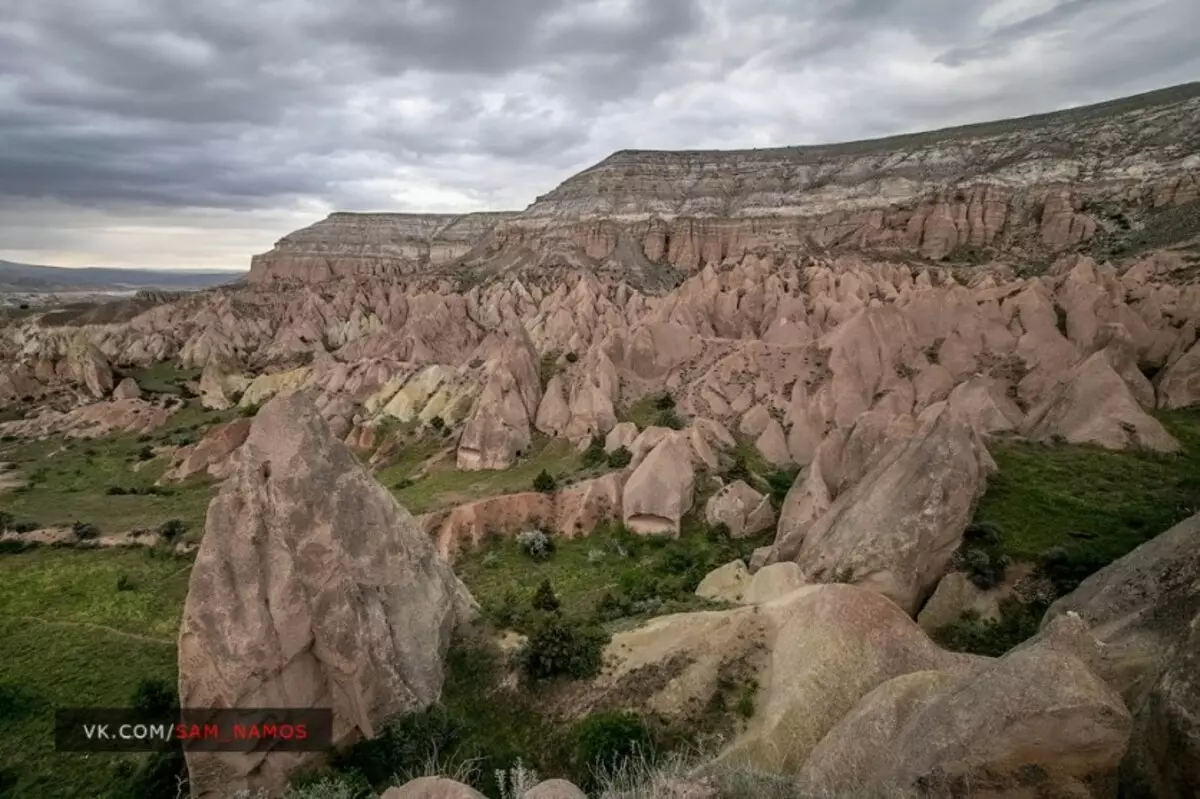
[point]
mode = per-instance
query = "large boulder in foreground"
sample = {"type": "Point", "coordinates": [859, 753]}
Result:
{"type": "Point", "coordinates": [897, 528]}
{"type": "Point", "coordinates": [312, 588]}
{"type": "Point", "coordinates": [1036, 722]}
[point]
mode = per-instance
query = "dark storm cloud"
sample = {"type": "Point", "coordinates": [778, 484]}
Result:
{"type": "Point", "coordinates": [124, 122]}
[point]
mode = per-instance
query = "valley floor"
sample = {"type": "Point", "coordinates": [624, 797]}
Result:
{"type": "Point", "coordinates": [91, 627]}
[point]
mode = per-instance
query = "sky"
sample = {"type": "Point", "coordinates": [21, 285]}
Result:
{"type": "Point", "coordinates": [183, 134]}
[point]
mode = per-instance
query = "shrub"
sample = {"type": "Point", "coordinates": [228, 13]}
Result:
{"type": "Point", "coordinates": [619, 458]}
{"type": "Point", "coordinates": [669, 418]}
{"type": "Point", "coordinates": [572, 357]}
{"type": "Point", "coordinates": [780, 483]}
{"type": "Point", "coordinates": [116, 491]}
{"type": "Point", "coordinates": [10, 547]}
{"type": "Point", "coordinates": [437, 423]}
{"type": "Point", "coordinates": [25, 527]}
{"type": "Point", "coordinates": [404, 745]}
{"type": "Point", "coordinates": [248, 411]}
{"type": "Point", "coordinates": [84, 530]}
{"type": "Point", "coordinates": [545, 598]}
{"type": "Point", "coordinates": [611, 607]}
{"type": "Point", "coordinates": [172, 529]}
{"type": "Point", "coordinates": [594, 455]}
{"type": "Point", "coordinates": [508, 613]}
{"type": "Point", "coordinates": [1067, 569]}
{"type": "Point", "coordinates": [402, 483]}
{"type": "Point", "coordinates": [146, 453]}
{"type": "Point", "coordinates": [545, 482]}
{"type": "Point", "coordinates": [6, 521]}
{"type": "Point", "coordinates": [738, 470]}
{"type": "Point", "coordinates": [602, 743]}
{"type": "Point", "coordinates": [536, 544]}
{"type": "Point", "coordinates": [124, 583]}
{"type": "Point", "coordinates": [983, 570]}
{"type": "Point", "coordinates": [992, 637]}
{"type": "Point", "coordinates": [982, 533]}
{"type": "Point", "coordinates": [156, 697]}
{"type": "Point", "coordinates": [561, 647]}
{"type": "Point", "coordinates": [664, 402]}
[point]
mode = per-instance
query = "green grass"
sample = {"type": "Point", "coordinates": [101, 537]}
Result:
{"type": "Point", "coordinates": [1096, 504]}
{"type": "Point", "coordinates": [659, 573]}
{"type": "Point", "coordinates": [445, 486]}
{"type": "Point", "coordinates": [69, 638]}
{"type": "Point", "coordinates": [68, 481]}
{"type": "Point", "coordinates": [163, 377]}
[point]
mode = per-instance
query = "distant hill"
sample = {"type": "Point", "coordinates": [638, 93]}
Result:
{"type": "Point", "coordinates": [31, 278]}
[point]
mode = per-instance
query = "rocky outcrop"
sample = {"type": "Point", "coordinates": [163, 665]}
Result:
{"type": "Point", "coordinates": [311, 588]}
{"type": "Point", "coordinates": [1095, 406]}
{"type": "Point", "coordinates": [100, 419]}
{"type": "Point", "coordinates": [388, 245]}
{"type": "Point", "coordinates": [896, 529]}
{"type": "Point", "coordinates": [661, 489]}
{"type": "Point", "coordinates": [572, 511]}
{"type": "Point", "coordinates": [214, 455]}
{"type": "Point", "coordinates": [432, 788]}
{"type": "Point", "coordinates": [127, 389]}
{"type": "Point", "coordinates": [1036, 722]}
{"type": "Point", "coordinates": [499, 428]}
{"type": "Point", "coordinates": [221, 385]}
{"type": "Point", "coordinates": [741, 508]}
{"type": "Point", "coordinates": [1179, 386]}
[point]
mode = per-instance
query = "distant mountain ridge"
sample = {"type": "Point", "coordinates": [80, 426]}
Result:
{"type": "Point", "coordinates": [34, 278]}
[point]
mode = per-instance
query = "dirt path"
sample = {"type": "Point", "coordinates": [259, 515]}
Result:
{"type": "Point", "coordinates": [102, 628]}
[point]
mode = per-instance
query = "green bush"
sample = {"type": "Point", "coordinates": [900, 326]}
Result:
{"type": "Point", "coordinates": [1067, 568]}
{"type": "Point", "coordinates": [84, 530]}
{"type": "Point", "coordinates": [544, 598]}
{"type": "Point", "coordinates": [594, 455]}
{"type": "Point", "coordinates": [172, 529]}
{"type": "Point", "coordinates": [984, 570]}
{"type": "Point", "coordinates": [146, 453]}
{"type": "Point", "coordinates": [545, 482]}
{"type": "Point", "coordinates": [561, 647]}
{"type": "Point", "coordinates": [602, 743]}
{"type": "Point", "coordinates": [402, 483]}
{"type": "Point", "coordinates": [669, 418]}
{"type": "Point", "coordinates": [124, 583]}
{"type": "Point", "coordinates": [406, 744]}
{"type": "Point", "coordinates": [25, 527]}
{"type": "Point", "coordinates": [6, 521]}
{"type": "Point", "coordinates": [13, 547]}
{"type": "Point", "coordinates": [664, 402]}
{"type": "Point", "coordinates": [619, 458]}
{"type": "Point", "coordinates": [572, 357]}
{"type": "Point", "coordinates": [116, 491]}
{"type": "Point", "coordinates": [992, 637]}
{"type": "Point", "coordinates": [537, 544]}
{"type": "Point", "coordinates": [739, 470]}
{"type": "Point", "coordinates": [437, 423]}
{"type": "Point", "coordinates": [155, 697]}
{"type": "Point", "coordinates": [780, 483]}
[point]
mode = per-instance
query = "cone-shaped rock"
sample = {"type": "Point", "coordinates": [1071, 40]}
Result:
{"type": "Point", "coordinates": [312, 588]}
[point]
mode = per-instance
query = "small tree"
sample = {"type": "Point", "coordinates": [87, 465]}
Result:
{"type": "Point", "coordinates": [664, 402]}
{"type": "Point", "coordinates": [594, 455]}
{"type": "Point", "coordinates": [545, 598]}
{"type": "Point", "coordinates": [559, 647]}
{"type": "Point", "coordinates": [437, 423]}
{"type": "Point", "coordinates": [669, 418]}
{"type": "Point", "coordinates": [620, 457]}
{"type": "Point", "coordinates": [84, 530]}
{"type": "Point", "coordinates": [545, 482]}
{"type": "Point", "coordinates": [172, 529]}
{"type": "Point", "coordinates": [6, 521]}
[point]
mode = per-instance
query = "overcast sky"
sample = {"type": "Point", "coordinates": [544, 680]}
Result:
{"type": "Point", "coordinates": [180, 133]}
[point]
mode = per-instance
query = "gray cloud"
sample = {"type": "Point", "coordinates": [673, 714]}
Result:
{"type": "Point", "coordinates": [179, 120]}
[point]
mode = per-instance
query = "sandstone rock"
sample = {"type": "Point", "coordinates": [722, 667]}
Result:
{"type": "Point", "coordinates": [773, 446]}
{"type": "Point", "coordinates": [725, 583]}
{"type": "Point", "coordinates": [311, 588]}
{"type": "Point", "coordinates": [1140, 606]}
{"type": "Point", "coordinates": [86, 366]}
{"type": "Point", "coordinates": [554, 789]}
{"type": "Point", "coordinates": [955, 593]}
{"type": "Point", "coordinates": [1036, 717]}
{"type": "Point", "coordinates": [896, 529]}
{"type": "Point", "coordinates": [830, 645]}
{"type": "Point", "coordinates": [773, 582]}
{"type": "Point", "coordinates": [660, 490]}
{"type": "Point", "coordinates": [263, 387]}
{"type": "Point", "coordinates": [1164, 753]}
{"type": "Point", "coordinates": [127, 389]}
{"type": "Point", "coordinates": [985, 406]}
{"type": "Point", "coordinates": [213, 455]}
{"type": "Point", "coordinates": [754, 421]}
{"type": "Point", "coordinates": [1095, 406]}
{"type": "Point", "coordinates": [220, 384]}
{"type": "Point", "coordinates": [432, 788]}
{"type": "Point", "coordinates": [743, 509]}
{"type": "Point", "coordinates": [499, 429]}
{"type": "Point", "coordinates": [553, 414]}
{"type": "Point", "coordinates": [1179, 386]}
{"type": "Point", "coordinates": [622, 435]}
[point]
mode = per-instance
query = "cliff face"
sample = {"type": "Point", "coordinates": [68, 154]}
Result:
{"type": "Point", "coordinates": [1044, 183]}
{"type": "Point", "coordinates": [1019, 189]}
{"type": "Point", "coordinates": [347, 244]}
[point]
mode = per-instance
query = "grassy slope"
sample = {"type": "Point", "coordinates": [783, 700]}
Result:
{"type": "Point", "coordinates": [1088, 500]}
{"type": "Point", "coordinates": [69, 638]}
